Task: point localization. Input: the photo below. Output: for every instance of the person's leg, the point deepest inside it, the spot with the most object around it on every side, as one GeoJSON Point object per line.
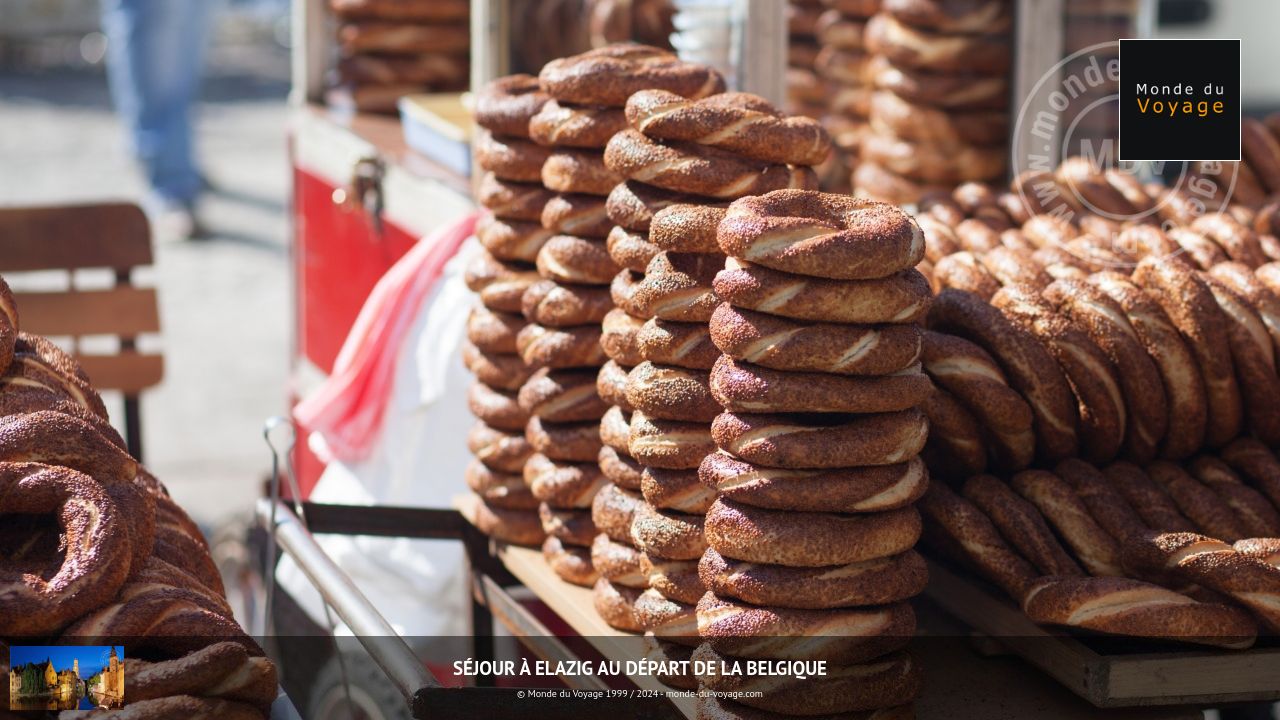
{"type": "Point", "coordinates": [154, 60]}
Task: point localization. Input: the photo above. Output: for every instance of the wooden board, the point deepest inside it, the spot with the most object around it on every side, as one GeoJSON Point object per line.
{"type": "Point", "coordinates": [1176, 677]}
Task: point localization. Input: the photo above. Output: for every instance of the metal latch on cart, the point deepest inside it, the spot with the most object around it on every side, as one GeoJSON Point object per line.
{"type": "Point", "coordinates": [364, 190]}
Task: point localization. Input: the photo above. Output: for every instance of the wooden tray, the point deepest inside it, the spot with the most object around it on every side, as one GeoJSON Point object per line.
{"type": "Point", "coordinates": [1106, 678]}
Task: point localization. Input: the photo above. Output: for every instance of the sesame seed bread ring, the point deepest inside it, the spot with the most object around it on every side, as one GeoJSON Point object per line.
{"type": "Point", "coordinates": [630, 250]}
{"type": "Point", "coordinates": [1080, 176]}
{"type": "Point", "coordinates": [617, 562]}
{"type": "Point", "coordinates": [939, 239]}
{"type": "Point", "coordinates": [576, 261]}
{"type": "Point", "coordinates": [506, 105]}
{"type": "Point", "coordinates": [96, 552]}
{"type": "Point", "coordinates": [620, 469]}
{"type": "Point", "coordinates": [1030, 368]}
{"type": "Point", "coordinates": [876, 182]}
{"type": "Point", "coordinates": [615, 432]}
{"type": "Point", "coordinates": [494, 331]}
{"type": "Point", "coordinates": [571, 562]}
{"type": "Point", "coordinates": [500, 285]}
{"type": "Point", "coordinates": [894, 115]}
{"type": "Point", "coordinates": [842, 66]}
{"type": "Point", "coordinates": [687, 228]}
{"type": "Point", "coordinates": [1020, 523]}
{"type": "Point", "coordinates": [677, 286]}
{"type": "Point", "coordinates": [679, 344]}
{"type": "Point", "coordinates": [1265, 549]}
{"type": "Point", "coordinates": [612, 510]}
{"type": "Point", "coordinates": [956, 447]}
{"type": "Point", "coordinates": [496, 408]}
{"type": "Point", "coordinates": [519, 527]}
{"type": "Point", "coordinates": [1256, 516]}
{"type": "Point", "coordinates": [835, 29]}
{"type": "Point", "coordinates": [1179, 372]}
{"type": "Point", "coordinates": [984, 17]}
{"type": "Point", "coordinates": [1191, 307]}
{"type": "Point", "coordinates": [836, 441]}
{"type": "Point", "coordinates": [501, 372]}
{"type": "Point", "coordinates": [667, 619]}
{"type": "Point", "coordinates": [872, 582]}
{"type": "Point", "coordinates": [562, 395]}
{"type": "Point", "coordinates": [511, 240]}
{"type": "Point", "coordinates": [1239, 242]}
{"type": "Point", "coordinates": [974, 379]}
{"type": "Point", "coordinates": [939, 89]}
{"type": "Point", "coordinates": [1241, 279]}
{"type": "Point", "coordinates": [571, 527]}
{"type": "Point", "coordinates": [845, 490]}
{"type": "Point", "coordinates": [1147, 498]}
{"type": "Point", "coordinates": [678, 490]}
{"type": "Point", "coordinates": [1133, 608]}
{"type": "Point", "coordinates": [753, 534]}
{"type": "Point", "coordinates": [563, 485]}
{"type": "Point", "coordinates": [740, 123]}
{"type": "Point", "coordinates": [620, 339]}
{"type": "Point", "coordinates": [900, 297]}
{"type": "Point", "coordinates": [1056, 500]}
{"type": "Point", "coordinates": [499, 489]}
{"type": "Point", "coordinates": [668, 534]}
{"type": "Point", "coordinates": [390, 37]}
{"type": "Point", "coordinates": [578, 346]}
{"type": "Point", "coordinates": [844, 689]}
{"type": "Point", "coordinates": [396, 10]}
{"type": "Point", "coordinates": [615, 603]}
{"type": "Point", "coordinates": [671, 393]}
{"type": "Point", "coordinates": [581, 215]}
{"type": "Point", "coordinates": [841, 637]}
{"type": "Point", "coordinates": [512, 200]}
{"type": "Point", "coordinates": [1105, 322]}
{"type": "Point", "coordinates": [569, 170]}
{"type": "Point", "coordinates": [666, 654]}
{"type": "Point", "coordinates": [1256, 463]}
{"type": "Point", "coordinates": [913, 46]}
{"type": "Point", "coordinates": [956, 522]}
{"type": "Point", "coordinates": [675, 579]}
{"type": "Point", "coordinates": [549, 303]}
{"type": "Point", "coordinates": [669, 444]}
{"type": "Point", "coordinates": [782, 344]}
{"type": "Point", "coordinates": [611, 74]}
{"type": "Point", "coordinates": [632, 204]}
{"type": "Point", "coordinates": [623, 286]}
{"type": "Point", "coordinates": [509, 158]}
{"type": "Point", "coordinates": [223, 670]}
{"type": "Point", "coordinates": [977, 236]}
{"type": "Point", "coordinates": [577, 126]}
{"type": "Point", "coordinates": [1254, 359]}
{"type": "Point", "coordinates": [821, 235]}
{"type": "Point", "coordinates": [502, 451]}
{"type": "Point", "coordinates": [698, 169]}
{"type": "Point", "coordinates": [568, 442]}
{"type": "Point", "coordinates": [964, 271]}
{"type": "Point", "coordinates": [1016, 267]}
{"type": "Point", "coordinates": [1106, 504]}
{"type": "Point", "coordinates": [741, 387]}
{"type": "Point", "coordinates": [1196, 249]}
{"type": "Point", "coordinates": [928, 163]}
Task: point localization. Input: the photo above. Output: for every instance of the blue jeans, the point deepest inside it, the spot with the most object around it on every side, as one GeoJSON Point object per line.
{"type": "Point", "coordinates": [155, 54]}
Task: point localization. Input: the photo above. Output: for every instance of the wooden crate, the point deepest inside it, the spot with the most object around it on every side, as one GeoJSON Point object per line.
{"type": "Point", "coordinates": [1099, 670]}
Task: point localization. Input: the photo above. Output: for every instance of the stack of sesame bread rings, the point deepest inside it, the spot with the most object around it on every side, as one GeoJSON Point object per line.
{"type": "Point", "coordinates": [810, 540]}
{"type": "Point", "coordinates": [392, 48]}
{"type": "Point", "coordinates": [94, 551]}
{"type": "Point", "coordinates": [511, 234]}
{"type": "Point", "coordinates": [844, 65]}
{"type": "Point", "coordinates": [939, 115]}
{"type": "Point", "coordinates": [684, 160]}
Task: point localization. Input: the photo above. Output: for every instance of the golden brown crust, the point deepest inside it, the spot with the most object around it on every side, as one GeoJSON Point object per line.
{"type": "Point", "coordinates": [677, 286]}
{"type": "Point", "coordinates": [494, 331]}
{"type": "Point", "coordinates": [549, 303]}
{"type": "Point", "coordinates": [1256, 516]}
{"type": "Point", "coordinates": [821, 235]}
{"type": "Point", "coordinates": [562, 125]}
{"type": "Point", "coordinates": [667, 533]}
{"type": "Point", "coordinates": [949, 16]}
{"type": "Point", "coordinates": [621, 469]}
{"type": "Point", "coordinates": [511, 240]}
{"type": "Point", "coordinates": [630, 250]}
{"type": "Point", "coordinates": [1256, 463]}
{"type": "Point", "coordinates": [671, 393]}
{"type": "Point", "coordinates": [1021, 524]}
{"type": "Point", "coordinates": [619, 339]}
{"type": "Point", "coordinates": [740, 123]}
{"type": "Point", "coordinates": [754, 534]}
{"type": "Point", "coordinates": [956, 446]}
{"type": "Point", "coordinates": [500, 285]}
{"type": "Point", "coordinates": [379, 36]}
{"type": "Point", "coordinates": [1253, 358]}
{"type": "Point", "coordinates": [505, 452]}
{"type": "Point", "coordinates": [505, 106]}
{"type": "Point", "coordinates": [846, 490]}
{"type": "Point", "coordinates": [924, 162]}
{"type": "Point", "coordinates": [744, 388]}
{"type": "Point", "coordinates": [615, 603]}
{"type": "Point", "coordinates": [580, 215]}
{"type": "Point", "coordinates": [667, 342]}
{"type": "Point", "coordinates": [841, 637]}
{"type": "Point", "coordinates": [893, 115]}
{"type": "Point", "coordinates": [669, 444]}
{"type": "Point", "coordinates": [575, 260]}
{"type": "Point", "coordinates": [840, 348]}
{"type": "Point", "coordinates": [632, 204]}
{"type": "Point", "coordinates": [698, 169]}
{"type": "Point", "coordinates": [519, 527]}
{"type": "Point", "coordinates": [577, 346]}
{"type": "Point", "coordinates": [1242, 280]}
{"type": "Point", "coordinates": [667, 619]}
{"type": "Point", "coordinates": [571, 562]}
{"type": "Point", "coordinates": [1096, 550]}
{"type": "Point", "coordinates": [499, 489]}
{"type": "Point", "coordinates": [822, 441]}
{"type": "Point", "coordinates": [965, 527]}
{"type": "Point", "coordinates": [609, 75]}
{"type": "Point", "coordinates": [1196, 501]}
{"type": "Point", "coordinates": [1106, 504]}
{"type": "Point", "coordinates": [1191, 307]}
{"type": "Point", "coordinates": [568, 442]}
{"type": "Point", "coordinates": [615, 431]}
{"type": "Point", "coordinates": [561, 484]}
{"type": "Point", "coordinates": [872, 582]}
{"type": "Point", "coordinates": [570, 527]}
{"type": "Point", "coordinates": [678, 490]}
{"type": "Point", "coordinates": [496, 408]}
{"type": "Point", "coordinates": [612, 510]}
{"type": "Point", "coordinates": [565, 395]}
{"type": "Point", "coordinates": [618, 562]}
{"type": "Point", "coordinates": [572, 170]}
{"type": "Point", "coordinates": [687, 228]}
{"type": "Point", "coordinates": [509, 158]}
{"type": "Point", "coordinates": [1029, 366]}
{"type": "Point", "coordinates": [900, 297]}
{"type": "Point", "coordinates": [512, 200]}
{"type": "Point", "coordinates": [502, 372]}
{"type": "Point", "coordinates": [947, 90]}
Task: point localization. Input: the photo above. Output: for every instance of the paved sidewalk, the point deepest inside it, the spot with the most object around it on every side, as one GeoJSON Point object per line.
{"type": "Point", "coordinates": [225, 301]}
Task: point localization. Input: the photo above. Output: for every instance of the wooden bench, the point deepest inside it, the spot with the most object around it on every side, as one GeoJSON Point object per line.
{"type": "Point", "coordinates": [69, 238]}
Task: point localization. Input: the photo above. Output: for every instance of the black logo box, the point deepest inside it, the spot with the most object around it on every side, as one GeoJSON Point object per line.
{"type": "Point", "coordinates": [1186, 68]}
